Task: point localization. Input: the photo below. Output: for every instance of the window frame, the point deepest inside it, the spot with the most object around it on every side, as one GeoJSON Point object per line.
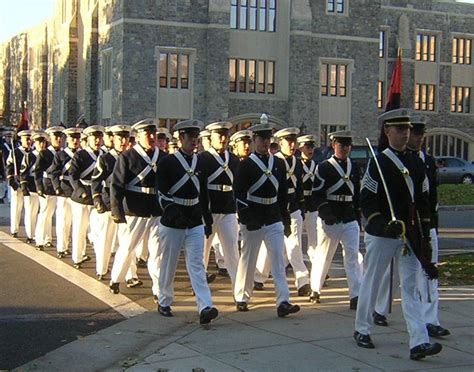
{"type": "Point", "coordinates": [263, 82]}
{"type": "Point", "coordinates": [337, 7]}
{"type": "Point", "coordinates": [106, 69]}
{"type": "Point", "coordinates": [462, 55]}
{"type": "Point", "coordinates": [174, 79]}
{"type": "Point", "coordinates": [425, 97]}
{"type": "Point", "coordinates": [426, 47]}
{"type": "Point", "coordinates": [332, 82]}
{"type": "Point", "coordinates": [460, 100]}
{"type": "Point", "coordinates": [253, 15]}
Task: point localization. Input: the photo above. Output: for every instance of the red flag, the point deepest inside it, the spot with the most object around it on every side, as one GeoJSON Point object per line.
{"type": "Point", "coordinates": [25, 118]}
{"type": "Point", "coordinates": [395, 90]}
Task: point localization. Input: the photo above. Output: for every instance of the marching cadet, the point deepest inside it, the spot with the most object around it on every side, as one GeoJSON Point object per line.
{"type": "Point", "coordinates": [307, 145]}
{"type": "Point", "coordinates": [45, 189]}
{"type": "Point", "coordinates": [220, 166]}
{"type": "Point", "coordinates": [336, 195]}
{"type": "Point", "coordinates": [173, 146]}
{"type": "Point", "coordinates": [163, 137]}
{"type": "Point", "coordinates": [100, 186]}
{"type": "Point", "coordinates": [242, 143]}
{"type": "Point", "coordinates": [260, 189]}
{"type": "Point", "coordinates": [108, 139]}
{"type": "Point", "coordinates": [293, 238]}
{"type": "Point", "coordinates": [28, 186]}
{"type": "Point", "coordinates": [14, 162]}
{"type": "Point", "coordinates": [391, 209]}
{"type": "Point", "coordinates": [82, 167]}
{"type": "Point", "coordinates": [61, 179]}
{"type": "Point", "coordinates": [134, 205]}
{"type": "Point", "coordinates": [205, 139]}
{"type": "Point", "coordinates": [182, 190]}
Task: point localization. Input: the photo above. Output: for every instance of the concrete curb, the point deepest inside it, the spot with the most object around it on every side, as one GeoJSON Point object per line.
{"type": "Point", "coordinates": [468, 207]}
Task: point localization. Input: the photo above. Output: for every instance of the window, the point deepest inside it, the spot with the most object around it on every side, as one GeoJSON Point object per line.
{"type": "Point", "coordinates": [333, 80]}
{"type": "Point", "coordinates": [380, 94]}
{"type": "Point", "coordinates": [462, 48]}
{"type": "Point", "coordinates": [336, 6]}
{"type": "Point", "coordinates": [461, 99]}
{"type": "Point", "coordinates": [445, 144]}
{"type": "Point", "coordinates": [253, 15]}
{"type": "Point", "coordinates": [174, 70]}
{"type": "Point", "coordinates": [251, 76]}
{"type": "Point", "coordinates": [106, 70]}
{"type": "Point", "coordinates": [381, 44]}
{"type": "Point", "coordinates": [425, 97]}
{"type": "Point", "coordinates": [425, 47]}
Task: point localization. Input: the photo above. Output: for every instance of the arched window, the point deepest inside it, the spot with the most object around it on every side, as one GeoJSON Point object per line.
{"type": "Point", "coordinates": [443, 144]}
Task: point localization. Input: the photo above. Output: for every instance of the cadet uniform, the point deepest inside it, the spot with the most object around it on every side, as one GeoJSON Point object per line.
{"type": "Point", "coordinates": [336, 194]}
{"type": "Point", "coordinates": [220, 168]}
{"type": "Point", "coordinates": [61, 180]}
{"type": "Point", "coordinates": [14, 162]}
{"type": "Point", "coordinates": [134, 206]}
{"type": "Point", "coordinates": [183, 196]}
{"type": "Point", "coordinates": [82, 167]}
{"type": "Point", "coordinates": [44, 186]}
{"type": "Point", "coordinates": [6, 150]}
{"type": "Point", "coordinates": [261, 193]}
{"type": "Point", "coordinates": [385, 234]}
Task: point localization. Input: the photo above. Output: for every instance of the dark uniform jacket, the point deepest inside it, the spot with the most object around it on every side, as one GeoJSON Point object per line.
{"type": "Point", "coordinates": [27, 168]}
{"type": "Point", "coordinates": [294, 178]}
{"type": "Point", "coordinates": [14, 162]}
{"type": "Point", "coordinates": [132, 196]}
{"type": "Point", "coordinates": [221, 195]}
{"type": "Point", "coordinates": [82, 167]}
{"type": "Point", "coordinates": [43, 180]}
{"type": "Point", "coordinates": [309, 170]}
{"type": "Point", "coordinates": [59, 171]}
{"type": "Point", "coordinates": [255, 215]}
{"type": "Point", "coordinates": [171, 171]}
{"type": "Point", "coordinates": [337, 204]}
{"type": "Point", "coordinates": [102, 176]}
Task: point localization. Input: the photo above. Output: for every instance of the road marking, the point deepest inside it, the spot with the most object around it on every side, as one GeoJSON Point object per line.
{"type": "Point", "coordinates": [120, 303]}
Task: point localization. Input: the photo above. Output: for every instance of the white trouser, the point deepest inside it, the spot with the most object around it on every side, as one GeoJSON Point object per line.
{"type": "Point", "coordinates": [379, 253]}
{"type": "Point", "coordinates": [80, 224]}
{"type": "Point", "coordinates": [294, 254]}
{"type": "Point", "coordinates": [44, 225]}
{"type": "Point", "coordinates": [103, 242]}
{"type": "Point", "coordinates": [144, 230]}
{"type": "Point", "coordinates": [31, 213]}
{"type": "Point", "coordinates": [96, 228]}
{"type": "Point", "coordinates": [329, 236]}
{"type": "Point", "coordinates": [218, 252]}
{"type": "Point", "coordinates": [226, 227]}
{"type": "Point", "coordinates": [272, 235]}
{"type": "Point", "coordinates": [63, 223]}
{"type": "Point", "coordinates": [141, 251]}
{"type": "Point", "coordinates": [310, 224]}
{"type": "Point", "coordinates": [15, 209]}
{"type": "Point", "coordinates": [382, 305]}
{"type": "Point", "coordinates": [171, 242]}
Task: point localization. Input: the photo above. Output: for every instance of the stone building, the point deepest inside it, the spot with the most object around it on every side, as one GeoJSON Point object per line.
{"type": "Point", "coordinates": [321, 65]}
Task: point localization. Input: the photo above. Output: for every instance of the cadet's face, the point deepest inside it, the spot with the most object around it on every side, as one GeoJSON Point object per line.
{"type": "Point", "coordinates": [262, 144]}
{"type": "Point", "coordinates": [398, 136]}
{"type": "Point", "coordinates": [219, 140]}
{"type": "Point", "coordinates": [41, 145]}
{"type": "Point", "coordinates": [108, 140]}
{"type": "Point", "coordinates": [416, 140]}
{"type": "Point", "coordinates": [73, 142]}
{"type": "Point", "coordinates": [244, 147]}
{"type": "Point", "coordinates": [56, 140]}
{"type": "Point", "coordinates": [341, 150]}
{"type": "Point", "coordinates": [146, 139]}
{"type": "Point", "coordinates": [307, 151]}
{"type": "Point", "coordinates": [287, 146]}
{"type": "Point", "coordinates": [95, 141]}
{"type": "Point", "coordinates": [206, 143]}
{"type": "Point", "coordinates": [189, 141]}
{"type": "Point", "coordinates": [120, 143]}
{"type": "Point", "coordinates": [162, 143]}
{"type": "Point", "coordinates": [25, 141]}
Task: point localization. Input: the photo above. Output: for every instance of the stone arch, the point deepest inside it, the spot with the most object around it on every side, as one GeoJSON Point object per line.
{"type": "Point", "coordinates": [449, 142]}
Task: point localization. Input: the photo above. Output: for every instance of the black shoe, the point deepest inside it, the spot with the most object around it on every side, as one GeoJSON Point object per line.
{"type": "Point", "coordinates": [29, 240]}
{"type": "Point", "coordinates": [285, 308]}
{"type": "Point", "coordinates": [67, 253]}
{"type": "Point", "coordinates": [210, 278]}
{"type": "Point", "coordinates": [114, 288]}
{"type": "Point", "coordinates": [437, 331]}
{"type": "Point", "coordinates": [134, 282]}
{"type": "Point", "coordinates": [314, 298]}
{"type": "Point", "coordinates": [141, 263]}
{"type": "Point", "coordinates": [353, 303]}
{"type": "Point", "coordinates": [207, 314]}
{"type": "Point", "coordinates": [241, 306]}
{"type": "Point", "coordinates": [85, 258]}
{"type": "Point", "coordinates": [304, 290]}
{"type": "Point", "coordinates": [77, 265]}
{"type": "Point", "coordinates": [258, 286]}
{"type": "Point", "coordinates": [14, 235]}
{"type": "Point", "coordinates": [40, 247]}
{"type": "Point", "coordinates": [100, 276]}
{"type": "Point", "coordinates": [363, 340]}
{"type": "Point", "coordinates": [223, 272]}
{"type": "Point", "coordinates": [379, 319]}
{"type": "Point", "coordinates": [165, 311]}
{"type": "Point", "coordinates": [49, 245]}
{"type": "Point", "coordinates": [61, 254]}
{"type": "Point", "coordinates": [424, 350]}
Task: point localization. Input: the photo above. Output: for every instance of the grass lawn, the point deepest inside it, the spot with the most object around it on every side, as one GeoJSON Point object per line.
{"type": "Point", "coordinates": [456, 194]}
{"type": "Point", "coordinates": [456, 269]}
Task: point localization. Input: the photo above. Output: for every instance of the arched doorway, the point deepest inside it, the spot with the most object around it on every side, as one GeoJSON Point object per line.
{"type": "Point", "coordinates": [245, 121]}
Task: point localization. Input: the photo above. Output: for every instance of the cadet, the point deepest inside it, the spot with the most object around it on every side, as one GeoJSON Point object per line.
{"type": "Point", "coordinates": [61, 178]}
{"type": "Point", "coordinates": [242, 141]}
{"type": "Point", "coordinates": [183, 196]}
{"type": "Point", "coordinates": [390, 232]}
{"type": "Point", "coordinates": [28, 186]}
{"type": "Point", "coordinates": [6, 149]}
{"type": "Point", "coordinates": [260, 189]}
{"type": "Point", "coordinates": [45, 189]}
{"type": "Point", "coordinates": [134, 205]}
{"type": "Point", "coordinates": [163, 137]}
{"type": "Point", "coordinates": [14, 162]}
{"type": "Point", "coordinates": [307, 144]}
{"type": "Point", "coordinates": [220, 166]}
{"type": "Point", "coordinates": [336, 194]}
{"type": "Point", "coordinates": [82, 167]}
{"type": "Point", "coordinates": [100, 186]}
{"type": "Point", "coordinates": [205, 139]}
